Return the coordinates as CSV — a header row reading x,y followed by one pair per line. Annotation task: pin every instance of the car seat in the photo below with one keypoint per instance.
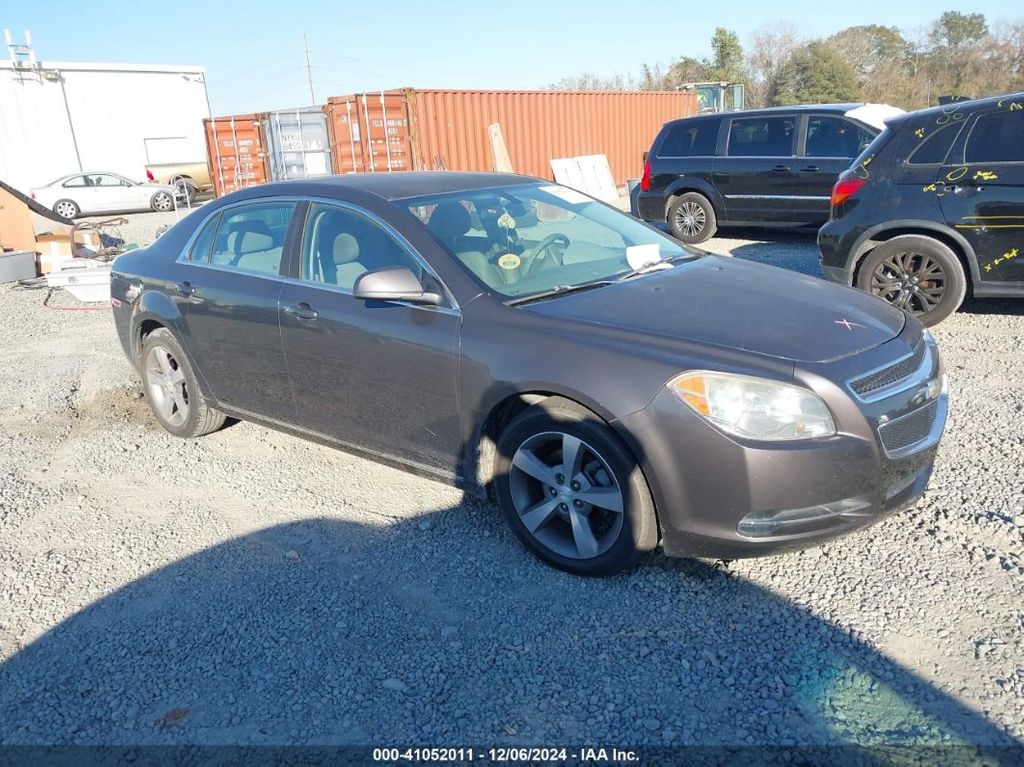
x,y
449,222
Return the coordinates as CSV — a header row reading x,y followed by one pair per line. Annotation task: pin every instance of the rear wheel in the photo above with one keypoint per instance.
x,y
918,274
172,389
66,209
162,202
571,490
185,187
691,217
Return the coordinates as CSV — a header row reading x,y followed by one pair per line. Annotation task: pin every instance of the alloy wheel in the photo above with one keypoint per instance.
x,y
168,391
65,209
566,495
163,202
910,281
690,219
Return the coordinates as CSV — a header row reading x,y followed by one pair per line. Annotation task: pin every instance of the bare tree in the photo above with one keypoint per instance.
x,y
769,49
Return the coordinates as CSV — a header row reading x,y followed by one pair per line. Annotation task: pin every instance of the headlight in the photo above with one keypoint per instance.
x,y
754,408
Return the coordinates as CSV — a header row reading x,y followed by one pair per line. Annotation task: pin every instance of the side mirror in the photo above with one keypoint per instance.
x,y
397,283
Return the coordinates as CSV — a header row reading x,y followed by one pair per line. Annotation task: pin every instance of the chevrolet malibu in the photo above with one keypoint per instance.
x,y
610,388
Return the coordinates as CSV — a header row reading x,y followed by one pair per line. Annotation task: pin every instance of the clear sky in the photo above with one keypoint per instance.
x,y
254,51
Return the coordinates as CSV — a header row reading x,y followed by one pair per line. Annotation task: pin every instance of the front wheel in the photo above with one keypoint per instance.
x,y
172,389
691,217
162,202
572,491
185,188
66,209
918,274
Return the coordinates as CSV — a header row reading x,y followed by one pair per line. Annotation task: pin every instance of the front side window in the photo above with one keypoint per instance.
x,y
523,240
340,244
761,137
997,137
694,139
106,180
251,238
835,137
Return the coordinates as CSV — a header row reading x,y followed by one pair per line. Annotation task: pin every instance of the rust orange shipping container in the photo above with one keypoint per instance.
x,y
236,152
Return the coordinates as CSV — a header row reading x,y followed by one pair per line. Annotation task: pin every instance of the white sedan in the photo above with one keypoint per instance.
x,y
71,196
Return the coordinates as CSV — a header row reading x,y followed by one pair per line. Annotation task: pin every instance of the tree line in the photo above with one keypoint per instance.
x,y
957,54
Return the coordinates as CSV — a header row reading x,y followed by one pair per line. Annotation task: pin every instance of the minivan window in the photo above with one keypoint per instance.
x,y
996,137
934,148
690,139
251,238
835,137
761,137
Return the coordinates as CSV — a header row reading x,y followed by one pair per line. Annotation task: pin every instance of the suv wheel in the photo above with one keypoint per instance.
x,y
692,218
918,274
572,491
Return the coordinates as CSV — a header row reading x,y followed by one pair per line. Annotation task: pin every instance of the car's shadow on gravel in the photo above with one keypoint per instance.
x,y
794,249
439,630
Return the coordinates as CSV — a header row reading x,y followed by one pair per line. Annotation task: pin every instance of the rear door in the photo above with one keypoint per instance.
x,y
227,289
828,144
79,189
983,191
379,375
756,176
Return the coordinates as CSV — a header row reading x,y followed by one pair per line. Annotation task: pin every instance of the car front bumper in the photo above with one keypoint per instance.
x,y
722,497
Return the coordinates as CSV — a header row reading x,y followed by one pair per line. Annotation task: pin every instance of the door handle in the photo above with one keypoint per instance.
x,y
809,169
954,188
301,311
780,168
185,289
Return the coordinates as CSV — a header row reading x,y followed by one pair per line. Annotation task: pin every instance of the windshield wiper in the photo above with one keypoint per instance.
x,y
559,290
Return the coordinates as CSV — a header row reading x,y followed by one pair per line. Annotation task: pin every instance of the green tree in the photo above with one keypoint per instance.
x,y
815,74
956,31
726,63
958,51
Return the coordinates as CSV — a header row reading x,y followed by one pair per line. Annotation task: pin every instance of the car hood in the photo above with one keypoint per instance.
x,y
737,304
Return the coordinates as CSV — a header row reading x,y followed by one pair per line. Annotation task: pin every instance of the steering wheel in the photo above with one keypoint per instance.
x,y
544,252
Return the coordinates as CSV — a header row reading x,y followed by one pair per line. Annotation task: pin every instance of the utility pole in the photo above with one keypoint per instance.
x,y
309,70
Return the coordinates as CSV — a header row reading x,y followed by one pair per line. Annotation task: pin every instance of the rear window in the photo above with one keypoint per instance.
x,y
997,137
935,145
692,139
761,137
873,148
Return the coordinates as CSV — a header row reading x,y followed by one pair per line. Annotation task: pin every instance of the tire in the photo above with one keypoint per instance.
x,y
67,209
186,186
552,517
172,391
161,202
691,217
896,272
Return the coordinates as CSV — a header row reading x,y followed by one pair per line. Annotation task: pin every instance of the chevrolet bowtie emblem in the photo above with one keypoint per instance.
x,y
847,324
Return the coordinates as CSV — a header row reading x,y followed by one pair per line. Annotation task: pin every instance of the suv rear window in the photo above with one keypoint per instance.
x,y
692,139
996,137
761,137
934,148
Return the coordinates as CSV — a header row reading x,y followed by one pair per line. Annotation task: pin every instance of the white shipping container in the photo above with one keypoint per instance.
x,y
58,118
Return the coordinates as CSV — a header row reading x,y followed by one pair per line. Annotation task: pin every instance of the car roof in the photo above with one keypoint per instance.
x,y
955,106
398,185
769,111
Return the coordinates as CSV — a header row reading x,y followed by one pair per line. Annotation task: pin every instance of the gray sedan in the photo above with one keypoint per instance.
x,y
610,388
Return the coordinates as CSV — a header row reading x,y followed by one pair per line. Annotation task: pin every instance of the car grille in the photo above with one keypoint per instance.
x,y
893,374
907,430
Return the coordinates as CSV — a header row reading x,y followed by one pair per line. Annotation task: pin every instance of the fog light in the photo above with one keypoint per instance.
x,y
764,524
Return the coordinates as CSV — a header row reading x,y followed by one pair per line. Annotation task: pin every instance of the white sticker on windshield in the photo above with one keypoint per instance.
x,y
639,256
571,196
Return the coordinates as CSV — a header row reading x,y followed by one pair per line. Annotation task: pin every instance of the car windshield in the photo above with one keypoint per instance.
x,y
534,239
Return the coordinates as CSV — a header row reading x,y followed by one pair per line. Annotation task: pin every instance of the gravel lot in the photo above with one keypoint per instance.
x,y
249,587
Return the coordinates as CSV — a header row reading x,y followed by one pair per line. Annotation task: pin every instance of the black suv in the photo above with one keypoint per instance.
x,y
766,167
934,207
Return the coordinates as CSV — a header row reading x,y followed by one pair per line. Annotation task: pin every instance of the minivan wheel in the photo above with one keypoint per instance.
x,y
572,491
691,217
172,390
918,274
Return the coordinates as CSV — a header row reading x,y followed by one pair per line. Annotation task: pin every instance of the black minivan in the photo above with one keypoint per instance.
x,y
765,167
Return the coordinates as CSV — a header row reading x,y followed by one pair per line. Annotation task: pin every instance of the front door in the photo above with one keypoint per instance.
x,y
227,292
381,376
983,191
828,145
757,174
